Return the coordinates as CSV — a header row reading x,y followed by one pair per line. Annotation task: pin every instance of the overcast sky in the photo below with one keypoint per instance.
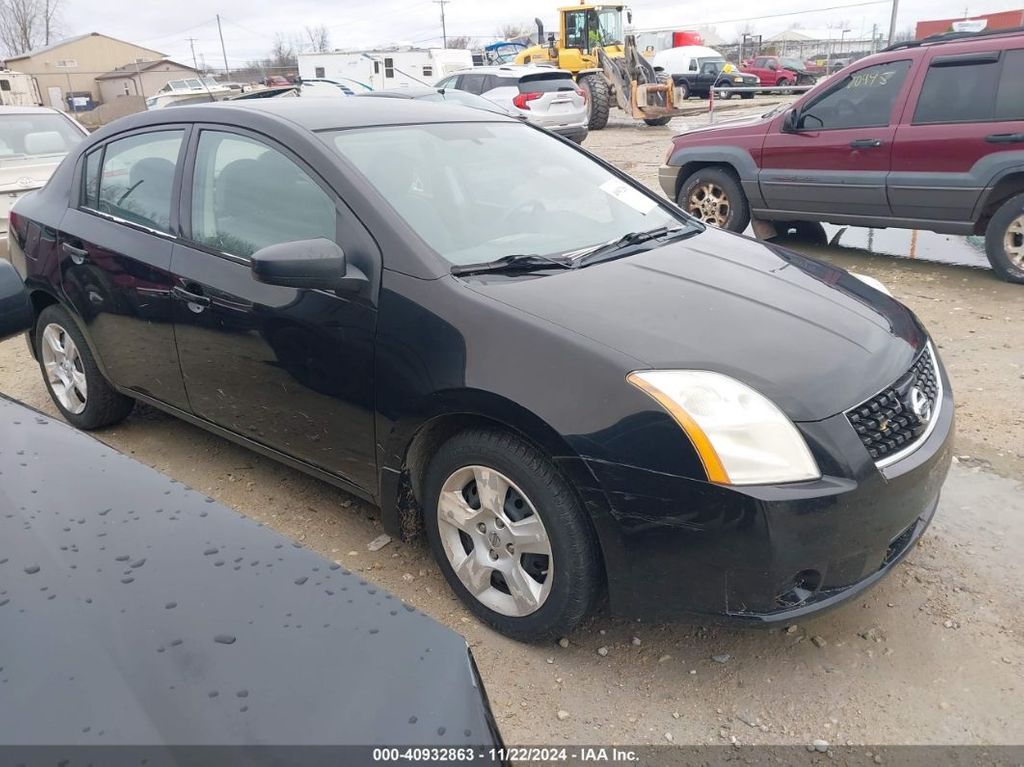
x,y
249,27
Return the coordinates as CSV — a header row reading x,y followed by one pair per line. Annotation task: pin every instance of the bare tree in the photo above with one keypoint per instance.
x,y
319,37
282,54
51,20
21,25
462,41
512,31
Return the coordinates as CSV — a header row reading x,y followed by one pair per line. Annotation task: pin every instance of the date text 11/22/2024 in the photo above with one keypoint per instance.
x,y
503,755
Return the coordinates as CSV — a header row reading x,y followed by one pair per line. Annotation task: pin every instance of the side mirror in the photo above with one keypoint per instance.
x,y
791,122
312,264
16,315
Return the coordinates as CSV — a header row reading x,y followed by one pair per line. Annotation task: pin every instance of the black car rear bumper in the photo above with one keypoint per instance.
x,y
681,548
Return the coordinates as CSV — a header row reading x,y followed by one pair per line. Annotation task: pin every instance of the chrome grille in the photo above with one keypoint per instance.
x,y
892,422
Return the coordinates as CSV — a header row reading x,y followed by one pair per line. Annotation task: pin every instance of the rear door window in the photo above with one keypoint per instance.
x,y
1010,93
863,99
473,83
136,182
958,90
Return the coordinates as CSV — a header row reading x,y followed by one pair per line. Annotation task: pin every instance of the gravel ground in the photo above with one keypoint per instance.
x,y
933,655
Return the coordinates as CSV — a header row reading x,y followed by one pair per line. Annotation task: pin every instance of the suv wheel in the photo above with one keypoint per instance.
x,y
713,195
74,381
1004,240
510,535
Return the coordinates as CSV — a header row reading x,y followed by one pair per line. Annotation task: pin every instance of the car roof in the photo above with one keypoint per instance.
x,y
512,70
951,38
315,114
403,93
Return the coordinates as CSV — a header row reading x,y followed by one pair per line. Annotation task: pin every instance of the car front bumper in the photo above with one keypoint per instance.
x,y
681,548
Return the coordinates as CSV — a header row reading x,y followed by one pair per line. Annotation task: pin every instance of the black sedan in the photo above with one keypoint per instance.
x,y
569,384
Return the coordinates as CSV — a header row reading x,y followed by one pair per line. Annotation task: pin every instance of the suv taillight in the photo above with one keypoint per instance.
x,y
523,99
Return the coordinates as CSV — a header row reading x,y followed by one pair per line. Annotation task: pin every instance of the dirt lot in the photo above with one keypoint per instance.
x,y
933,655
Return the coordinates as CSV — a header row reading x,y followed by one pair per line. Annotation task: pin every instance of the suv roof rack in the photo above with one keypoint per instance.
x,y
949,37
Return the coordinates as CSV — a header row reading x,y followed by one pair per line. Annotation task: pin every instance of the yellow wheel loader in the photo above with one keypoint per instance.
x,y
606,64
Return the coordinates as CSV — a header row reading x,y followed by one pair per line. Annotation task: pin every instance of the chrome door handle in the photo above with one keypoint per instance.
x,y
77,255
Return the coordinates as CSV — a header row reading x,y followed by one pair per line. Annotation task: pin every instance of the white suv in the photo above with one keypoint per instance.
x,y
546,97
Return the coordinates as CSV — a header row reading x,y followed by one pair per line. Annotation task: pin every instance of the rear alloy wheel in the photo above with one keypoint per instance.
x,y
510,535
713,195
1004,240
784,88
81,393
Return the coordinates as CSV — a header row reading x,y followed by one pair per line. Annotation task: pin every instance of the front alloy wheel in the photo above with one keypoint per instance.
x,y
709,203
495,541
510,534
65,372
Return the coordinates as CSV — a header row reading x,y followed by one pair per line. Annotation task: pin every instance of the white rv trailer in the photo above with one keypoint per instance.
x,y
18,90
384,70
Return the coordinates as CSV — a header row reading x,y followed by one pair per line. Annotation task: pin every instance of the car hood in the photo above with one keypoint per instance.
x,y
812,337
726,127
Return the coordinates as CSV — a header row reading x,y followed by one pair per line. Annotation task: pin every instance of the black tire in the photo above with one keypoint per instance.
x,y
684,89
809,232
724,93
598,98
738,214
1005,231
104,406
576,565
783,86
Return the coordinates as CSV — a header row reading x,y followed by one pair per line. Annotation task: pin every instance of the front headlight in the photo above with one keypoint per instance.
x,y
737,79
741,436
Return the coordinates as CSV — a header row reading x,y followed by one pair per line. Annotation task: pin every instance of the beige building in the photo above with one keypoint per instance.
x,y
142,79
73,65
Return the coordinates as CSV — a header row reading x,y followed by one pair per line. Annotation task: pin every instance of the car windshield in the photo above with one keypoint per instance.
x,y
31,135
476,192
792,63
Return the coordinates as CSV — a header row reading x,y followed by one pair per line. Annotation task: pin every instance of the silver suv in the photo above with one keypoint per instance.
x,y
546,97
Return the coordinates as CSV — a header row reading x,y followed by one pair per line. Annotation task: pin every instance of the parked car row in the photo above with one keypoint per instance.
x,y
924,135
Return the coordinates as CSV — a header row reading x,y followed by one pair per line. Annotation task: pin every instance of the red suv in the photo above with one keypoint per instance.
x,y
927,134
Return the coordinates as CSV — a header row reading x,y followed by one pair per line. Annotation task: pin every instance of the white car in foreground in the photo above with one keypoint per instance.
x,y
33,141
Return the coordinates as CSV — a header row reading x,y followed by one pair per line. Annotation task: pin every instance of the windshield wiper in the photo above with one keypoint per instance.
x,y
600,252
515,264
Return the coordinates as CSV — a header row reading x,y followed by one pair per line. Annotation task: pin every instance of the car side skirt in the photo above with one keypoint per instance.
x,y
313,471
933,225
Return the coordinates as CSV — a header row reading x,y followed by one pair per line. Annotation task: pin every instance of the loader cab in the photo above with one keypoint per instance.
x,y
586,28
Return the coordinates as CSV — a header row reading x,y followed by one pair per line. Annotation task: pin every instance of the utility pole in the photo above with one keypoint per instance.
x,y
224,51
892,21
444,31
192,44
